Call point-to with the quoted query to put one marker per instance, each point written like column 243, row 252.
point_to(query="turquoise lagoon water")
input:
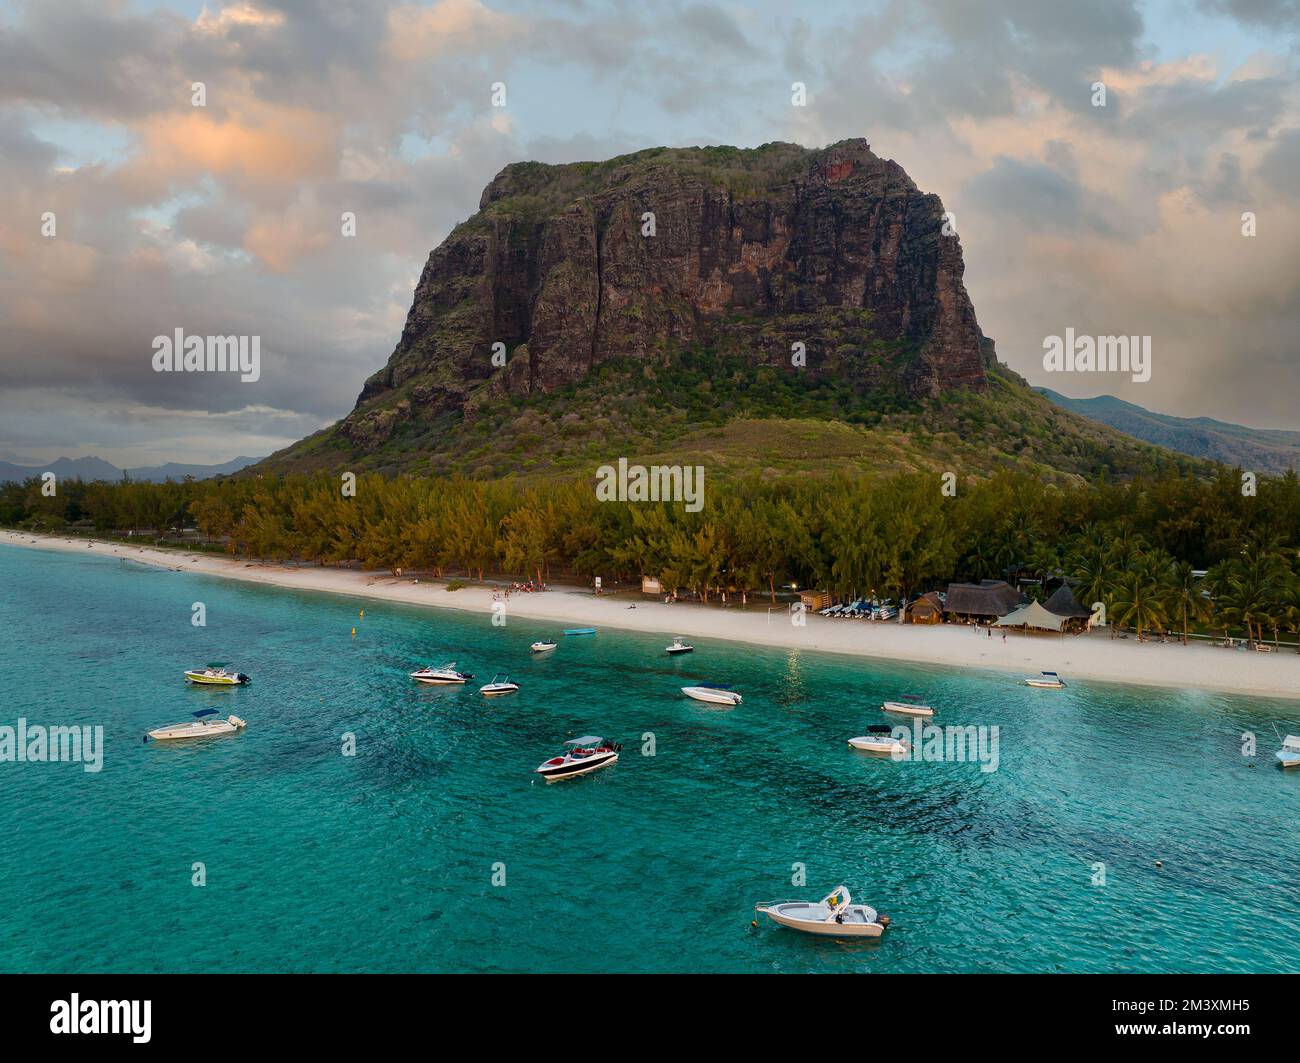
column 384, row 861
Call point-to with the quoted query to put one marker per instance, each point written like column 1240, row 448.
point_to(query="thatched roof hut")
column 927, row 609
column 1063, row 603
column 990, row 597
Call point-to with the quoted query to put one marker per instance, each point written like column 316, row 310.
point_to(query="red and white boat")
column 585, row 754
column 446, row 674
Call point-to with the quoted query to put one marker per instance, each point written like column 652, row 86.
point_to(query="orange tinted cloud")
column 280, row 240
column 261, row 142
column 416, row 33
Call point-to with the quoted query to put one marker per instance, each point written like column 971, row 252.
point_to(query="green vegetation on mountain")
column 734, row 418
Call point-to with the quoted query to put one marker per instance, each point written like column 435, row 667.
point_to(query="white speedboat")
column 1289, row 755
column 678, row 646
column 835, row 915
column 446, row 674
column 542, row 647
column 199, row 727
column 880, row 739
column 216, row 674
column 909, row 706
column 713, row 695
column 583, row 755
column 500, row 684
column 1048, row 681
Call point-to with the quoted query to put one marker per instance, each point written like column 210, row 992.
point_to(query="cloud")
column 226, row 218
column 1273, row 14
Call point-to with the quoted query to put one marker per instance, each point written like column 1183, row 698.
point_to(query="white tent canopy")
column 1032, row 615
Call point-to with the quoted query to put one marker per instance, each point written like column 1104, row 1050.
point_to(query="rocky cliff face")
column 752, row 252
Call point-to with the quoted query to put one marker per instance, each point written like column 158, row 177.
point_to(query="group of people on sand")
column 989, row 629
column 530, row 587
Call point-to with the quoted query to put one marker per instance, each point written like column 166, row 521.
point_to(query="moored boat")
column 583, row 755
column 715, row 695
column 199, row 727
column 501, row 684
column 1047, row 681
column 1289, row 755
column 216, row 674
column 580, row 631
column 880, row 739
column 541, row 646
column 445, row 674
column 911, row 705
column 678, row 646
column 835, row 915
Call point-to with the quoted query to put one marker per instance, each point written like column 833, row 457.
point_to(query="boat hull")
column 887, row 747
column 712, row 697
column 1044, row 686
column 902, row 708
column 199, row 679
column 437, row 680
column 184, row 731
column 859, row 921
column 575, row 768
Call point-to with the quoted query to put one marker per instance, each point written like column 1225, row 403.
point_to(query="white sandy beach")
column 1097, row 656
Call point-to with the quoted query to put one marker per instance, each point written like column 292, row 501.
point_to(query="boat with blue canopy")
column 201, row 726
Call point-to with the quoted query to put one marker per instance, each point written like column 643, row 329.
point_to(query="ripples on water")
column 384, row 861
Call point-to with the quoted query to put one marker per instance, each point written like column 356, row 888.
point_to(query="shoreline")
column 1079, row 658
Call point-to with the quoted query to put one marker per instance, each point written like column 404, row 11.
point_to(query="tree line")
column 1133, row 545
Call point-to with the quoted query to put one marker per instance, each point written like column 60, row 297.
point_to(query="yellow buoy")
column 354, row 632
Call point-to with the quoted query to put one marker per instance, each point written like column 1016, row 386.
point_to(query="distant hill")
column 1254, row 449
column 98, row 469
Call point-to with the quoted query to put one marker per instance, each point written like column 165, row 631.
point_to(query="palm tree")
column 1096, row 571
column 1290, row 602
column 1140, row 602
column 1185, row 595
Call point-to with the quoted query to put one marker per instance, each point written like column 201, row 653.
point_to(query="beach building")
column 1063, row 603
column 815, row 600
column 986, row 600
column 927, row 609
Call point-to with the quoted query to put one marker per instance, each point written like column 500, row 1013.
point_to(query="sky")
column 221, row 219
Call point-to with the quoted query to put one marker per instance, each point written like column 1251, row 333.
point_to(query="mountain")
column 781, row 307
column 1254, row 449
column 97, row 469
